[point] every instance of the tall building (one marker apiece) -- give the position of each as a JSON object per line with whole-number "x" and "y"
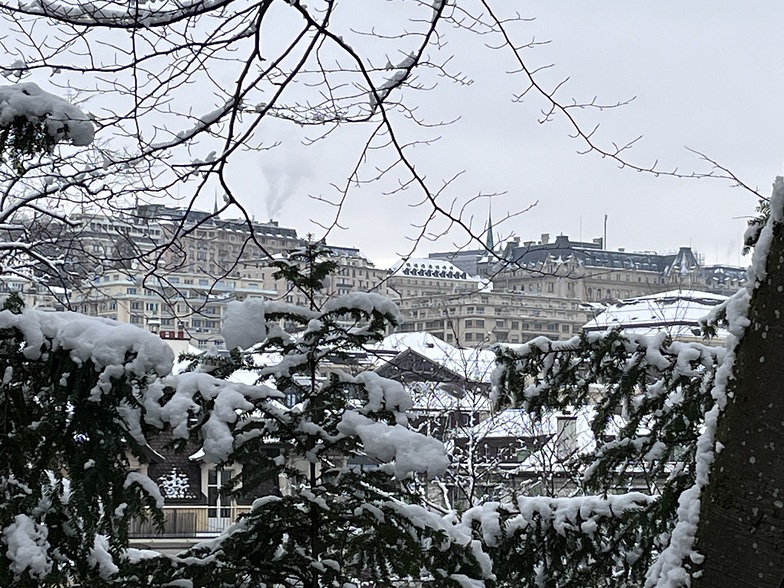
{"x": 588, "y": 272}
{"x": 482, "y": 318}
{"x": 173, "y": 271}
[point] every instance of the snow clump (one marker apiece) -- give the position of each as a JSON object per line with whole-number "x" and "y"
{"x": 63, "y": 120}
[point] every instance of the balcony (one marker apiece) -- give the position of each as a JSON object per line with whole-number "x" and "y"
{"x": 188, "y": 521}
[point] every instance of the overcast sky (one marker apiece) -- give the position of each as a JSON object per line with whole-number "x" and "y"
{"x": 705, "y": 75}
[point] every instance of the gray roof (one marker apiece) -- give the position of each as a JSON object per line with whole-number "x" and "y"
{"x": 591, "y": 255}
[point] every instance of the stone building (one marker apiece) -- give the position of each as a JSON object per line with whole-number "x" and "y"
{"x": 183, "y": 294}
{"x": 481, "y": 318}
{"x": 586, "y": 271}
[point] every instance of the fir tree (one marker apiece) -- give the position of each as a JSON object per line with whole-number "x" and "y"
{"x": 702, "y": 422}
{"x": 351, "y": 513}
{"x": 70, "y": 400}
{"x": 645, "y": 426}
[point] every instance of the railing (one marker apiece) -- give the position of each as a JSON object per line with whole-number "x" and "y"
{"x": 189, "y": 521}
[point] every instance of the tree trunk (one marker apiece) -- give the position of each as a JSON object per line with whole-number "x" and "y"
{"x": 741, "y": 530}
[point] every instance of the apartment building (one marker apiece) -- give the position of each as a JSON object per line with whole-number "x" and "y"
{"x": 174, "y": 271}
{"x": 483, "y": 318}
{"x": 355, "y": 273}
{"x": 588, "y": 272}
{"x": 179, "y": 306}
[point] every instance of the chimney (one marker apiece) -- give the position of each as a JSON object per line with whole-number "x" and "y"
{"x": 545, "y": 238}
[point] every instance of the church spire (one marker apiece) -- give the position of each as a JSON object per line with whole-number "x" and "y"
{"x": 489, "y": 240}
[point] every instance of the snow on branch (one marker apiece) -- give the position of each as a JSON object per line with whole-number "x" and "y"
{"x": 410, "y": 451}
{"x": 63, "y": 121}
{"x": 107, "y": 343}
{"x": 116, "y": 14}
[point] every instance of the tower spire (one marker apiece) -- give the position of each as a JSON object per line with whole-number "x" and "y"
{"x": 489, "y": 240}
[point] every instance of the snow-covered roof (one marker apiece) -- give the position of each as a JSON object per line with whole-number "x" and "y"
{"x": 517, "y": 424}
{"x": 470, "y": 363}
{"x": 430, "y": 268}
{"x": 445, "y": 398}
{"x": 677, "y": 311}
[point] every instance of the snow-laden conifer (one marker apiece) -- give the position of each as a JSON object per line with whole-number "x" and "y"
{"x": 698, "y": 425}
{"x": 349, "y": 511}
{"x": 70, "y": 399}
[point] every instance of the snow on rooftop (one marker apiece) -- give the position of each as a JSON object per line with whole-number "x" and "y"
{"x": 430, "y": 268}
{"x": 677, "y": 311}
{"x": 519, "y": 425}
{"x": 472, "y": 363}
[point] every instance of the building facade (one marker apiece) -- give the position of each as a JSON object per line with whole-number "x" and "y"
{"x": 586, "y": 271}
{"x": 482, "y": 318}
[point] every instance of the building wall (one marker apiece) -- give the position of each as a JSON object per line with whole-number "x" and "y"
{"x": 484, "y": 318}
{"x": 587, "y": 272}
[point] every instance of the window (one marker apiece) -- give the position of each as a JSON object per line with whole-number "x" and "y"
{"x": 291, "y": 398}
{"x": 219, "y": 506}
{"x": 130, "y": 290}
